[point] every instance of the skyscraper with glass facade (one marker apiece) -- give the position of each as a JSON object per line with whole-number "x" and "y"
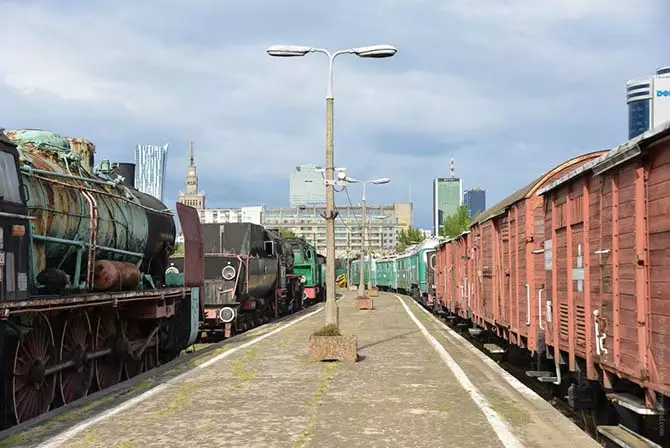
{"x": 475, "y": 201}
{"x": 648, "y": 102}
{"x": 151, "y": 161}
{"x": 447, "y": 198}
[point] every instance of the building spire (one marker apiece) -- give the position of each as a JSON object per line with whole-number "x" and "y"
{"x": 190, "y": 146}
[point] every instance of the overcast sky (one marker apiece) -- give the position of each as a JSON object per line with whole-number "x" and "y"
{"x": 506, "y": 88}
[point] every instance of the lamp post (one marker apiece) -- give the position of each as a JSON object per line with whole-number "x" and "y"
{"x": 369, "y": 247}
{"x": 383, "y": 180}
{"x": 374, "y": 51}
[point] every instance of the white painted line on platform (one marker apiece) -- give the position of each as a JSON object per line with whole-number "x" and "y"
{"x": 68, "y": 434}
{"x": 501, "y": 429}
{"x": 515, "y": 383}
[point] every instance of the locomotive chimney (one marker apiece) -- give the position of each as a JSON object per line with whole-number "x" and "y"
{"x": 127, "y": 170}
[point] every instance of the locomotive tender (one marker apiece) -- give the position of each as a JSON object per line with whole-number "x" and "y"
{"x": 83, "y": 295}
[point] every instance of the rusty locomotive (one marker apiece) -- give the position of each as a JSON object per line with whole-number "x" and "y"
{"x": 84, "y": 296}
{"x": 568, "y": 277}
{"x": 249, "y": 278}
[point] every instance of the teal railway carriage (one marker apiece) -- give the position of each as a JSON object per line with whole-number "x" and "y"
{"x": 386, "y": 274}
{"x": 411, "y": 272}
{"x": 356, "y": 273}
{"x": 311, "y": 267}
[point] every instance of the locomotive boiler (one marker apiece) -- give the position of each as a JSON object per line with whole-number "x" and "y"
{"x": 79, "y": 217}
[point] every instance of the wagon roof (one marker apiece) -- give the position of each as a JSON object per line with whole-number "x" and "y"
{"x": 529, "y": 189}
{"x": 620, "y": 154}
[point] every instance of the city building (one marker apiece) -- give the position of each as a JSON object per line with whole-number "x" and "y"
{"x": 221, "y": 215}
{"x": 425, "y": 232}
{"x": 475, "y": 201}
{"x": 151, "y": 161}
{"x": 383, "y": 224}
{"x": 648, "y": 102}
{"x": 447, "y": 198}
{"x": 192, "y": 196}
{"x": 306, "y": 186}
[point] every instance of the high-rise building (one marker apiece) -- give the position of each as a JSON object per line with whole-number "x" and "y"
{"x": 306, "y": 186}
{"x": 447, "y": 198}
{"x": 192, "y": 196}
{"x": 475, "y": 201}
{"x": 648, "y": 102}
{"x": 151, "y": 161}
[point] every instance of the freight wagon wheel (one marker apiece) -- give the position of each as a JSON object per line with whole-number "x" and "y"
{"x": 33, "y": 389}
{"x": 108, "y": 369}
{"x": 76, "y": 342}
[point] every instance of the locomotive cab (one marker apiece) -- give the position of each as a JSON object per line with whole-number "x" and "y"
{"x": 14, "y": 222}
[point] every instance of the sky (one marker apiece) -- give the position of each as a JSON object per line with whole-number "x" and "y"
{"x": 508, "y": 88}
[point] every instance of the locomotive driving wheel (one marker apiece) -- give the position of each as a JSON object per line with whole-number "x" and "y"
{"x": 33, "y": 387}
{"x": 76, "y": 342}
{"x": 149, "y": 357}
{"x": 108, "y": 369}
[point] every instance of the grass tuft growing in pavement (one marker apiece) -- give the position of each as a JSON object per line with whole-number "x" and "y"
{"x": 328, "y": 330}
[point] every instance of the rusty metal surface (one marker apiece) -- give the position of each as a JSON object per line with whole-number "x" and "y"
{"x": 55, "y": 302}
{"x": 62, "y": 197}
{"x": 117, "y": 275}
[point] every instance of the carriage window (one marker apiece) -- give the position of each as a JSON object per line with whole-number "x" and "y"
{"x": 9, "y": 181}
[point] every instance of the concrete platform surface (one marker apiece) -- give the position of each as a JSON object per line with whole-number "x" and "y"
{"x": 416, "y": 385}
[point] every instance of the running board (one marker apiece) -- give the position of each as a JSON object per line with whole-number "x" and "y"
{"x": 626, "y": 438}
{"x": 632, "y": 403}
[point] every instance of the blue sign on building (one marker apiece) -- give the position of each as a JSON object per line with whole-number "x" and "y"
{"x": 663, "y": 93}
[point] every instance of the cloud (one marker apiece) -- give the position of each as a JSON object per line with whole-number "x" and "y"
{"x": 507, "y": 89}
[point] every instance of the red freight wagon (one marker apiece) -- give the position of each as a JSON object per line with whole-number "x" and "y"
{"x": 607, "y": 271}
{"x": 454, "y": 278}
{"x": 508, "y": 273}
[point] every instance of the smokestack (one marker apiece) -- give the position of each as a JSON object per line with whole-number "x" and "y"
{"x": 127, "y": 170}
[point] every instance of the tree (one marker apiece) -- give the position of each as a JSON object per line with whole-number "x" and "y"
{"x": 288, "y": 234}
{"x": 408, "y": 237}
{"x": 457, "y": 223}
{"x": 178, "y": 250}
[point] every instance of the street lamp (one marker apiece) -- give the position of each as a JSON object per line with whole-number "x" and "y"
{"x": 383, "y": 180}
{"x": 374, "y": 51}
{"x": 369, "y": 246}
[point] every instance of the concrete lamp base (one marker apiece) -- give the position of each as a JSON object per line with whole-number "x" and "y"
{"x": 333, "y": 348}
{"x": 363, "y": 303}
{"x": 373, "y": 292}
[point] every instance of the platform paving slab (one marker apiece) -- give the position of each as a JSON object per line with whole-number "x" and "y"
{"x": 399, "y": 394}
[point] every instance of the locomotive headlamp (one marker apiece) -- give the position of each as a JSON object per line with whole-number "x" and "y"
{"x": 228, "y": 273}
{"x": 227, "y": 314}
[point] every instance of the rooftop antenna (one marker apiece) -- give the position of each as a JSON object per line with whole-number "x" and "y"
{"x": 452, "y": 168}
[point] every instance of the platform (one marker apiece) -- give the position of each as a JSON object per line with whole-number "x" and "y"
{"x": 417, "y": 384}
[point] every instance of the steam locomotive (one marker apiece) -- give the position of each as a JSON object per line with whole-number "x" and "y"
{"x": 253, "y": 275}
{"x": 84, "y": 300}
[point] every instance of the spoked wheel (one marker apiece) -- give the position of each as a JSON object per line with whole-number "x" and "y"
{"x": 76, "y": 342}
{"x": 108, "y": 369}
{"x": 150, "y": 357}
{"x": 132, "y": 367}
{"x": 33, "y": 388}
